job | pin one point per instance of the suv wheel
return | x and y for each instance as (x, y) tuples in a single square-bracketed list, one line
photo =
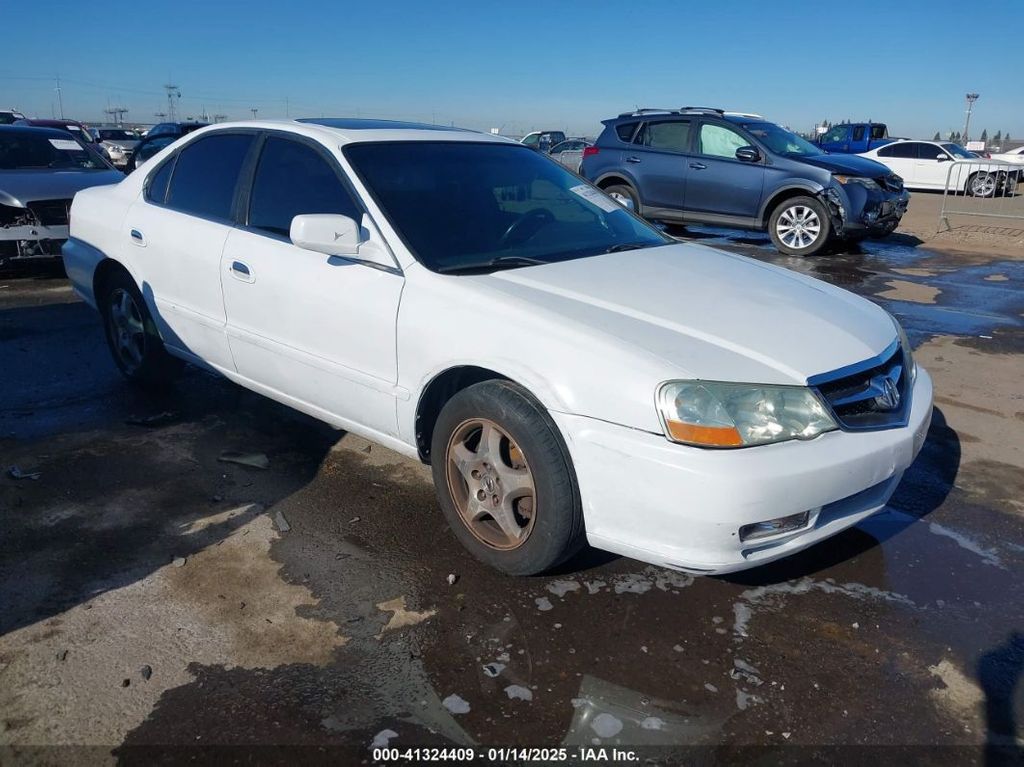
[(800, 226), (132, 335), (621, 193), (504, 479)]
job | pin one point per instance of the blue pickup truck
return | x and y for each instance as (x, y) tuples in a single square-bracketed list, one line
[(854, 138)]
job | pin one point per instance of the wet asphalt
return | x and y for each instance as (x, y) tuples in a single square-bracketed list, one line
[(907, 630)]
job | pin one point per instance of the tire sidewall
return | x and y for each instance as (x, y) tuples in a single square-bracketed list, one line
[(824, 236), (557, 527), (157, 366), (626, 191)]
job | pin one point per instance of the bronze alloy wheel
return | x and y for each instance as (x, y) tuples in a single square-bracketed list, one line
[(491, 484), (127, 330)]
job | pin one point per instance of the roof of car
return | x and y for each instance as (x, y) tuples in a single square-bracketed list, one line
[(352, 130), (50, 123), (34, 130)]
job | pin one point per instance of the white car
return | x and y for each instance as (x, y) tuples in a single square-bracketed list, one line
[(570, 373), (928, 164), (1015, 156)]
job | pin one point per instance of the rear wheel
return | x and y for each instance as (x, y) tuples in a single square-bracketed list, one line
[(132, 335), (624, 195), (504, 479), (800, 226)]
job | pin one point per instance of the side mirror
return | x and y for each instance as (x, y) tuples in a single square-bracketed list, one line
[(748, 154), (942, 157), (335, 235)]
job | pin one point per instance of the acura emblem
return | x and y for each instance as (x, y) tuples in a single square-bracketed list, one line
[(889, 397)]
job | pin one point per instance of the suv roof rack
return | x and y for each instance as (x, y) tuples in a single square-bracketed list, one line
[(748, 115), (649, 111), (713, 110)]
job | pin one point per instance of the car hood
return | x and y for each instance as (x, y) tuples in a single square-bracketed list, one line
[(849, 164), (706, 313), (18, 188)]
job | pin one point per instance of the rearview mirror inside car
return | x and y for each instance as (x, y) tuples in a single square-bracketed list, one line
[(748, 154)]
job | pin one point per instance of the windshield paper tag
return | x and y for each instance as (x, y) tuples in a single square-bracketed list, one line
[(595, 197), (66, 144)]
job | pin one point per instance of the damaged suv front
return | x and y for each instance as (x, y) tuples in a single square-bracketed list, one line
[(41, 169), (864, 206)]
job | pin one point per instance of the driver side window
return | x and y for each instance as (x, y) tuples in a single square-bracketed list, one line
[(719, 141)]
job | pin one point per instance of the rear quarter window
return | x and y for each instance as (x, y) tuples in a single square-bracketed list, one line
[(625, 131)]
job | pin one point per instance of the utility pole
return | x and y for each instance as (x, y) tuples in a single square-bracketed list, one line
[(971, 98), (117, 113), (254, 110), (60, 99), (218, 118), (173, 92)]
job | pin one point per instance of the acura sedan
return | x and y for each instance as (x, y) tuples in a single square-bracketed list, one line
[(571, 374)]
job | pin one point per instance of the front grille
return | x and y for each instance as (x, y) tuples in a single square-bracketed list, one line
[(873, 395), (51, 212)]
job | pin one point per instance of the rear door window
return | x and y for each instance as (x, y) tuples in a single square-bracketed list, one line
[(294, 179), (206, 175), (668, 135), (906, 150)]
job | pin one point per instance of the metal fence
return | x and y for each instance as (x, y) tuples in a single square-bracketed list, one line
[(984, 188)]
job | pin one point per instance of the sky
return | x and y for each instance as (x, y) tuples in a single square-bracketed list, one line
[(520, 66)]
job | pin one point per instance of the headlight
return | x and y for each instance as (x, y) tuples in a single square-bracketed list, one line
[(715, 414), (908, 355), (867, 183)]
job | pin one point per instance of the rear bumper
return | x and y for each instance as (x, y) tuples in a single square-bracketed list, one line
[(680, 507)]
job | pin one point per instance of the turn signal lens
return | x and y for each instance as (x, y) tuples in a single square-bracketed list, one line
[(721, 436)]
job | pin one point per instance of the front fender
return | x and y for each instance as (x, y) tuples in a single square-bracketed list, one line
[(795, 185)]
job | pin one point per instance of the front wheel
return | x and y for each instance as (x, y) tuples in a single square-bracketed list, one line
[(982, 184), (132, 335), (800, 226), (504, 479)]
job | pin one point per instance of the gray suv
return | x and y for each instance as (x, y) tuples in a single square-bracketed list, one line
[(700, 165)]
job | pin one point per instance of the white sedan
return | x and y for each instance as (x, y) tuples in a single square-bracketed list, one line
[(929, 164), (1015, 156), (570, 373)]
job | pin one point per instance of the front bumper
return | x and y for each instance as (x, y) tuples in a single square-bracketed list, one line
[(681, 507), (866, 210), (31, 241)]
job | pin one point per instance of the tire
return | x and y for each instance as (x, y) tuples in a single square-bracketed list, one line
[(131, 334), (800, 226), (624, 191), (523, 474), (982, 184)]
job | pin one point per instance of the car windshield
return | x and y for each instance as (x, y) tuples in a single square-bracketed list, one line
[(782, 141), (24, 150), (462, 206), (117, 135), (959, 152)]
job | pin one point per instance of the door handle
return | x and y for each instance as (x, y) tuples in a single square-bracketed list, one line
[(138, 237), (633, 158), (698, 166), (241, 271)]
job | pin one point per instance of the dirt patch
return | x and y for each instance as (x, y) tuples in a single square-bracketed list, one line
[(979, 394), (902, 290), (78, 678)]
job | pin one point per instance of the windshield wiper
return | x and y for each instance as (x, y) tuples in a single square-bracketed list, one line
[(501, 262), (628, 246)]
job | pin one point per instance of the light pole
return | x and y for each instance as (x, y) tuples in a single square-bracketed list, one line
[(254, 110), (971, 98)]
